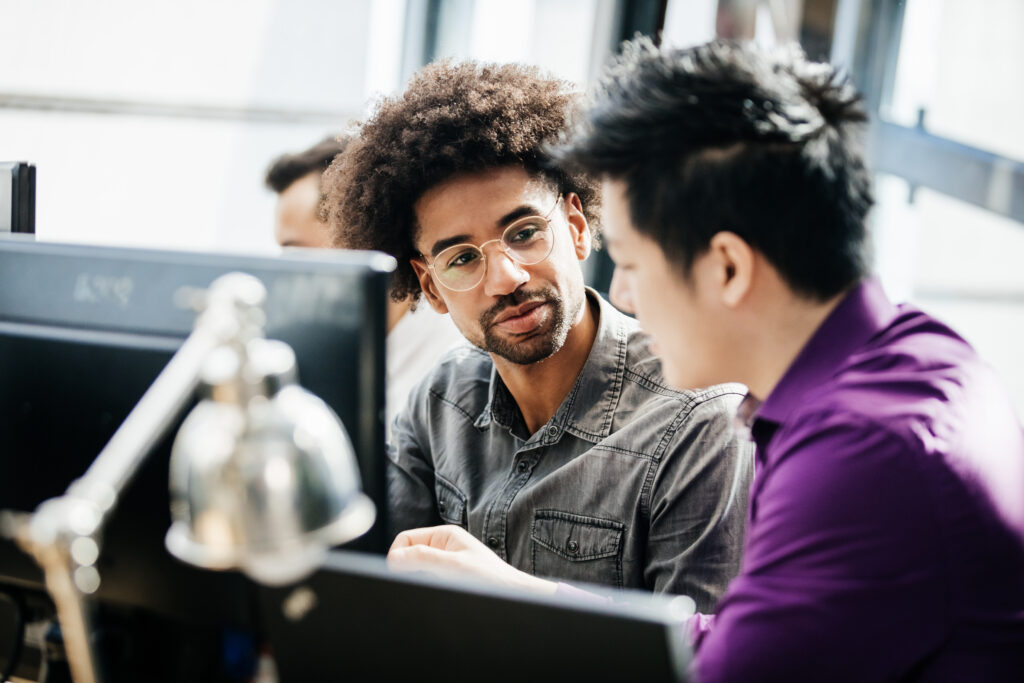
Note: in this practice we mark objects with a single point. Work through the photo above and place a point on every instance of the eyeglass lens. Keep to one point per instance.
(527, 241)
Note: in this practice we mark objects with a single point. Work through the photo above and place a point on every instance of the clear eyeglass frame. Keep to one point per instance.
(506, 247)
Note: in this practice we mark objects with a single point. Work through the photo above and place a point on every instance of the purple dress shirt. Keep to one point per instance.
(886, 519)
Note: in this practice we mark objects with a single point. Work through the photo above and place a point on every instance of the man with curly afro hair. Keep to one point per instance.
(553, 438)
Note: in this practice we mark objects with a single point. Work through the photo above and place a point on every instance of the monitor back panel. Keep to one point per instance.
(354, 621)
(83, 333)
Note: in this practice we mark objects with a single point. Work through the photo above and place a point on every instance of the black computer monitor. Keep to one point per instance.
(353, 620)
(17, 197)
(84, 331)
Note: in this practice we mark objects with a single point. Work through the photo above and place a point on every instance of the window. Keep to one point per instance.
(151, 124)
(949, 227)
(941, 80)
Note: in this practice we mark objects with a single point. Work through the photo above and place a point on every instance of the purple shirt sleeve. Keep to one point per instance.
(700, 626)
(842, 572)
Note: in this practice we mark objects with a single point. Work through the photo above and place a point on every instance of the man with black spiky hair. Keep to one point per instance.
(886, 530)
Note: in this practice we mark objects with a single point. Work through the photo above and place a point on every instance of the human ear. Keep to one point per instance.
(429, 287)
(579, 228)
(732, 261)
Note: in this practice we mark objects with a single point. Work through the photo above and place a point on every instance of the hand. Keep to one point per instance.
(448, 549)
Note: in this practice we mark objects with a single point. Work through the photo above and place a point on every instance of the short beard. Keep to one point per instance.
(537, 348)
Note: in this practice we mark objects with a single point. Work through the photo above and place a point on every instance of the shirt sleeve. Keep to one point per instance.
(841, 578)
(412, 502)
(698, 506)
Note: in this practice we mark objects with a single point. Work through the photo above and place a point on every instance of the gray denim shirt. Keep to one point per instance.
(630, 484)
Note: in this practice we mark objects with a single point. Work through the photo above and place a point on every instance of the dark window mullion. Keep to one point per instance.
(960, 171)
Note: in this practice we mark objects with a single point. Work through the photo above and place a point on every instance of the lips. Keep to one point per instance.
(523, 318)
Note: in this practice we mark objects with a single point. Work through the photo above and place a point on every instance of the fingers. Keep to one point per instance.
(422, 558)
(451, 550)
(423, 536)
(432, 549)
(444, 537)
(405, 539)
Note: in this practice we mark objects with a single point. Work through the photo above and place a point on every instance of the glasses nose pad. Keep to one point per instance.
(517, 265)
(492, 267)
(504, 250)
(509, 254)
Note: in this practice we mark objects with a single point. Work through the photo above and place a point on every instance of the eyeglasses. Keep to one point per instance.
(527, 241)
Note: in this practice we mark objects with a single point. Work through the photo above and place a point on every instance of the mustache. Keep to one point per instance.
(516, 298)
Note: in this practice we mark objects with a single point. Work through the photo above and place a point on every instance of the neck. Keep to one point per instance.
(539, 388)
(779, 342)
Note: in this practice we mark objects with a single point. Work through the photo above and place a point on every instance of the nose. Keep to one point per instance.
(621, 293)
(503, 275)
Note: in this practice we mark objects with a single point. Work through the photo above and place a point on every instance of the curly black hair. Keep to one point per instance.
(453, 118)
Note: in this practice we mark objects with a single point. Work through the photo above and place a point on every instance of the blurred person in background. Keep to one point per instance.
(416, 338)
(295, 178)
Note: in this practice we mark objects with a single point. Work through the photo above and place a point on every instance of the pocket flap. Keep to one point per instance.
(451, 503)
(577, 537)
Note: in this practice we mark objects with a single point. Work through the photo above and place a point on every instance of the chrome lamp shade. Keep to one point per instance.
(263, 476)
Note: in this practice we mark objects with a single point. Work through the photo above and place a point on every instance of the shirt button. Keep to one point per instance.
(441, 505)
(573, 547)
(552, 431)
(492, 541)
(522, 466)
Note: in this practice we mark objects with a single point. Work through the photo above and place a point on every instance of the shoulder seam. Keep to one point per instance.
(446, 401)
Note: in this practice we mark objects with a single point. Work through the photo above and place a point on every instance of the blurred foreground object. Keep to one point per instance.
(263, 474)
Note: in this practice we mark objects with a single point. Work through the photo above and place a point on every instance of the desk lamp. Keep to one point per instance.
(263, 477)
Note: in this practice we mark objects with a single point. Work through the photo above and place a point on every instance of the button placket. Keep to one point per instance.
(496, 519)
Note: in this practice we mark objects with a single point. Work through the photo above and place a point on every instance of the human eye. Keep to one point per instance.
(525, 233)
(618, 256)
(461, 259)
(622, 265)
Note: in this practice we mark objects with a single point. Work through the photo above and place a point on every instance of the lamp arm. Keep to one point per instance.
(120, 459)
(63, 534)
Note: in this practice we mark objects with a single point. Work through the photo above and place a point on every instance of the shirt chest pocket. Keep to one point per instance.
(451, 503)
(577, 548)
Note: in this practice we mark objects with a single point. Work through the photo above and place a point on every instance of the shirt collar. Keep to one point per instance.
(588, 408)
(863, 312)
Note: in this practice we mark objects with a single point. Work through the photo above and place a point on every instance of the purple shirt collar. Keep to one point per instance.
(863, 313)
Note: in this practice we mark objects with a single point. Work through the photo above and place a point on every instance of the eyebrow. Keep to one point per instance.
(517, 213)
(441, 245)
(513, 215)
